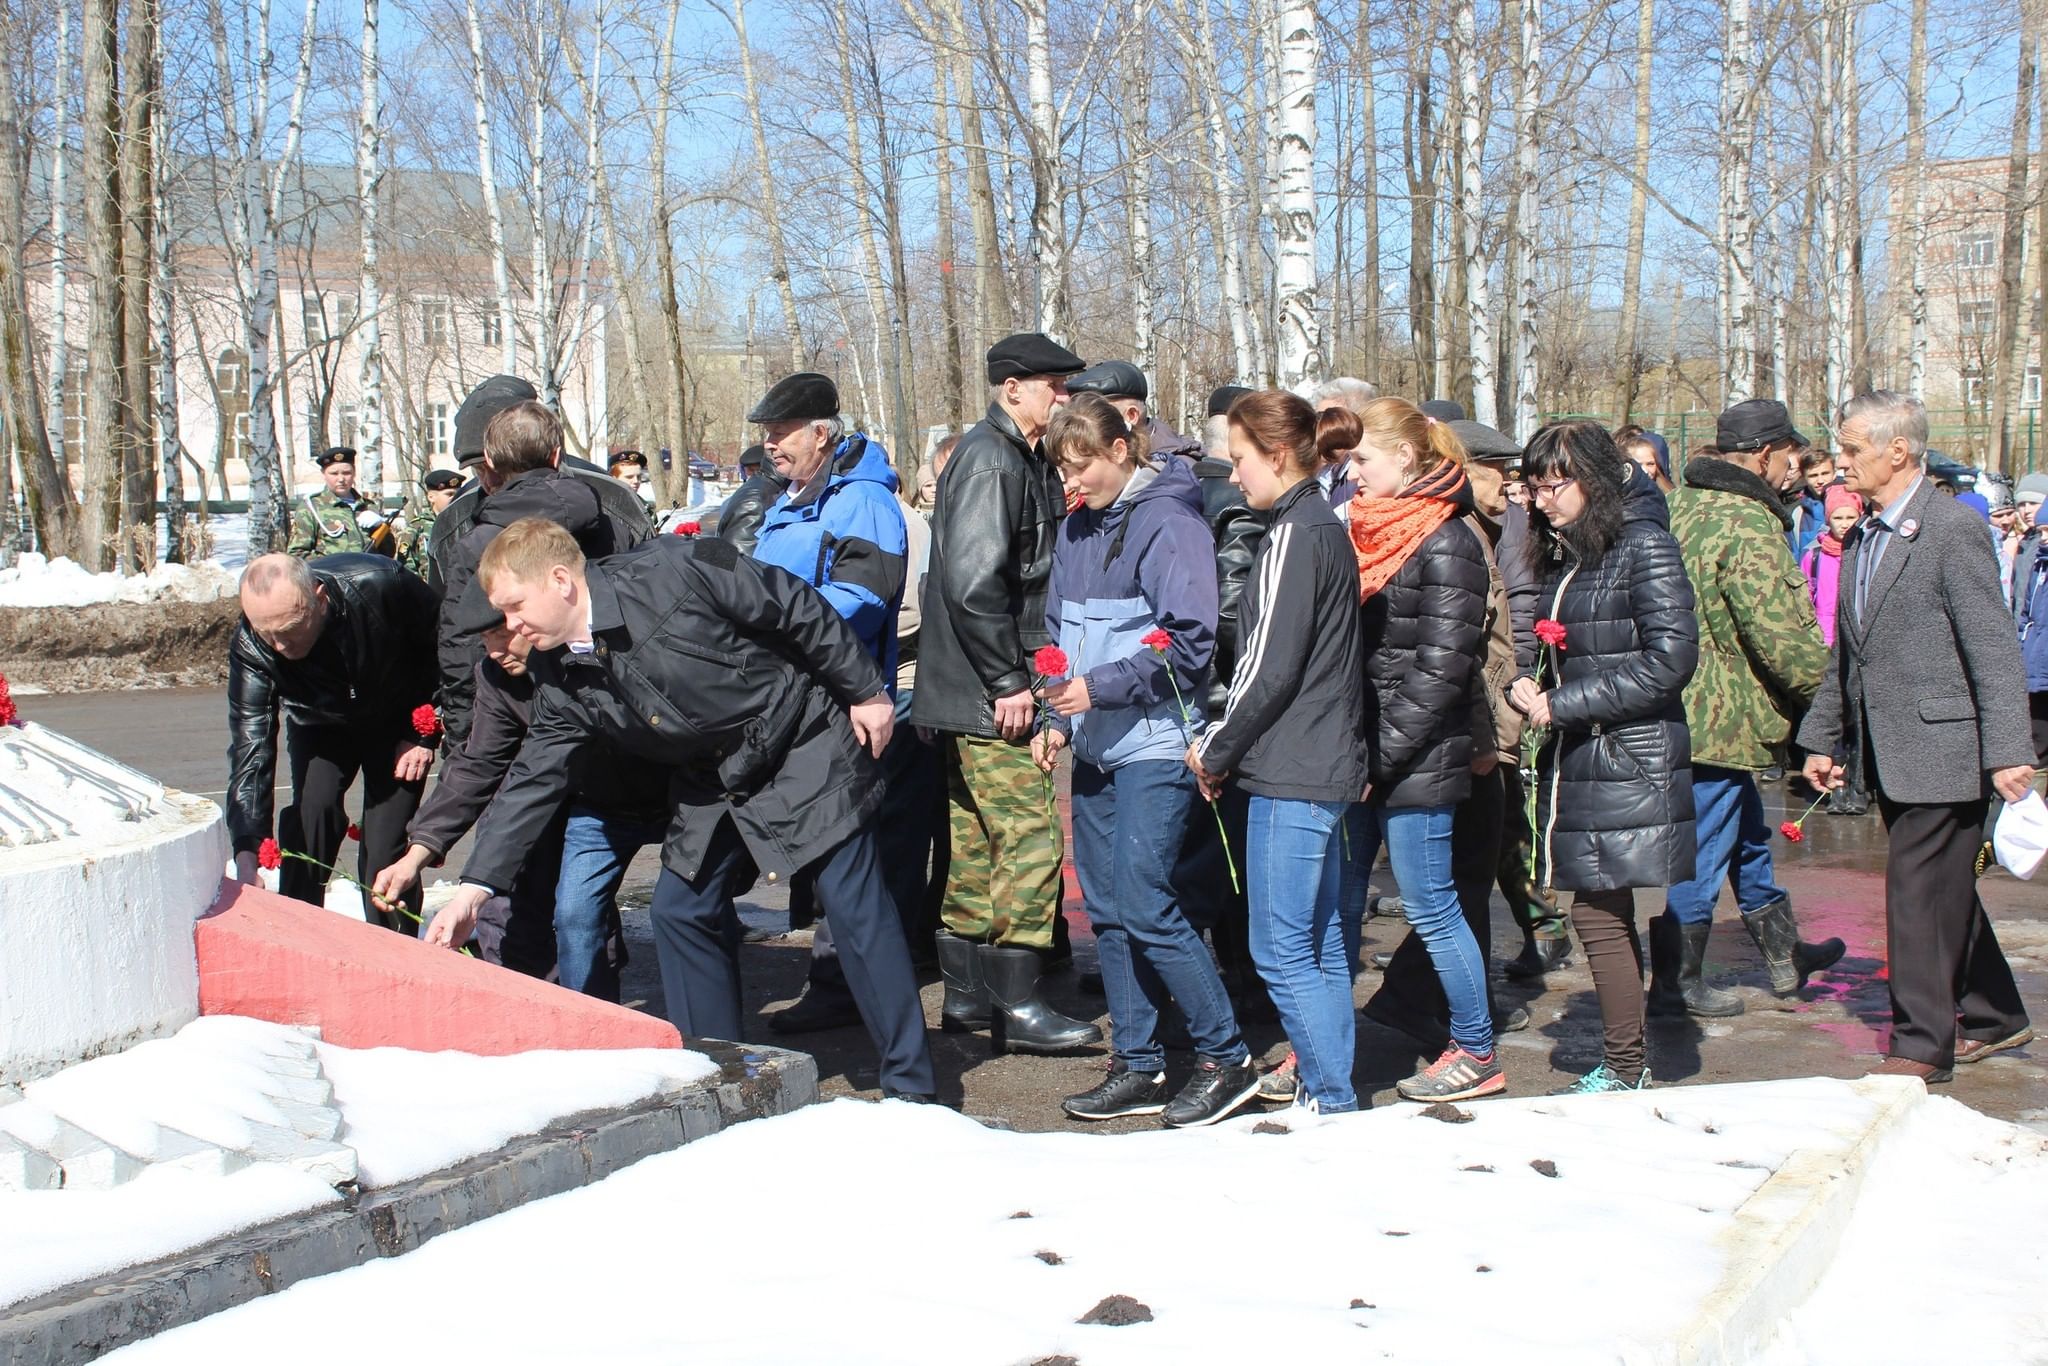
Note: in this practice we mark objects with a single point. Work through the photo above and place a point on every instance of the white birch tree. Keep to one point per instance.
(1738, 122)
(60, 237)
(1471, 210)
(1299, 352)
(487, 188)
(541, 261)
(1528, 84)
(369, 189)
(1916, 212)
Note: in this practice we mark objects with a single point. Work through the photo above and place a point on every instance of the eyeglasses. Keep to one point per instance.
(1537, 490)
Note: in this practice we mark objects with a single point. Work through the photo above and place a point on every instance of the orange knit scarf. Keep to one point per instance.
(1386, 531)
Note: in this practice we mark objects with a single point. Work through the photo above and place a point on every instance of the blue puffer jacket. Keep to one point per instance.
(845, 538)
(2031, 607)
(1143, 563)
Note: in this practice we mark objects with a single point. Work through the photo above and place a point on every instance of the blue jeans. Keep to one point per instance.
(1418, 840)
(1293, 865)
(596, 847)
(1128, 824)
(1733, 839)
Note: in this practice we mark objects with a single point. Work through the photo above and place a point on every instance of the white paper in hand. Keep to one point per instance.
(2021, 836)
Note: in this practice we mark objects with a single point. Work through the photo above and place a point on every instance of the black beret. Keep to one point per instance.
(628, 456)
(754, 457)
(485, 402)
(473, 614)
(1223, 396)
(800, 397)
(1754, 424)
(1443, 410)
(1023, 354)
(336, 455)
(1483, 442)
(442, 479)
(1111, 379)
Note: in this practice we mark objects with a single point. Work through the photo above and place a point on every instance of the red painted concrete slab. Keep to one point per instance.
(267, 956)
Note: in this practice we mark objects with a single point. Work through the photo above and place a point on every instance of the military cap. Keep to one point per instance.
(442, 479)
(1443, 410)
(628, 456)
(798, 398)
(1111, 379)
(336, 455)
(1483, 442)
(1754, 424)
(485, 402)
(1023, 354)
(1221, 397)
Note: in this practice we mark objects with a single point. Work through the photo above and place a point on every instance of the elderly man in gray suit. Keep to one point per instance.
(1926, 680)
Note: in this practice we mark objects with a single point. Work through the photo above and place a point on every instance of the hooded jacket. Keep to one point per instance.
(993, 531)
(1295, 727)
(373, 663)
(1143, 563)
(2031, 611)
(846, 538)
(1761, 656)
(1614, 793)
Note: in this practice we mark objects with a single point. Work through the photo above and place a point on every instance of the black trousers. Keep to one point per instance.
(517, 931)
(324, 762)
(1410, 984)
(1944, 959)
(697, 941)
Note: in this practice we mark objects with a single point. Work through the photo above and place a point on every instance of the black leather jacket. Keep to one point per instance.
(739, 521)
(735, 675)
(993, 532)
(373, 663)
(1239, 529)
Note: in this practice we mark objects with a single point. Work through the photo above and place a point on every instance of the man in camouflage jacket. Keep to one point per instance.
(441, 487)
(1761, 661)
(336, 519)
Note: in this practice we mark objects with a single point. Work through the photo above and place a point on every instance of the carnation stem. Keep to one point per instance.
(1187, 725)
(370, 898)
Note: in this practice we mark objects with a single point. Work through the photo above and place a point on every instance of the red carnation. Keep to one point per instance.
(426, 721)
(1550, 632)
(689, 529)
(355, 832)
(1050, 661)
(1791, 831)
(8, 715)
(1156, 639)
(268, 855)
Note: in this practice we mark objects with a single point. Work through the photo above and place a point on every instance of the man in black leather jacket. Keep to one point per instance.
(741, 679)
(343, 645)
(739, 521)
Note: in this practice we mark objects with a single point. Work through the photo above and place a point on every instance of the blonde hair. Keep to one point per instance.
(1388, 420)
(527, 550)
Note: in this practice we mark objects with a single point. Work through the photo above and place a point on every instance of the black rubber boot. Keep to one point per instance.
(1019, 1019)
(1664, 998)
(1540, 953)
(1701, 999)
(1790, 959)
(966, 1007)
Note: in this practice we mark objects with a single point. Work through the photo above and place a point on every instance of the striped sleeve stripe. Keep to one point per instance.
(1266, 589)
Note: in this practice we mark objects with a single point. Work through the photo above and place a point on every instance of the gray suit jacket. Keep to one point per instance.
(1932, 677)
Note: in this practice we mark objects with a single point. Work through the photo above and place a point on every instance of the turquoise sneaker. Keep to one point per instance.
(1602, 1080)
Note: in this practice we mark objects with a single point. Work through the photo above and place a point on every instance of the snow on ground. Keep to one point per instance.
(34, 581)
(865, 1233)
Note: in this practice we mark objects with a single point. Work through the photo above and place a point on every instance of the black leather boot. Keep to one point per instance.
(1790, 959)
(1699, 998)
(1663, 998)
(1019, 1019)
(966, 1007)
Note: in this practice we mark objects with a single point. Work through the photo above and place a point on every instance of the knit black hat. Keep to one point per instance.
(1111, 379)
(798, 398)
(1023, 354)
(1754, 424)
(485, 402)
(335, 455)
(1221, 397)
(442, 479)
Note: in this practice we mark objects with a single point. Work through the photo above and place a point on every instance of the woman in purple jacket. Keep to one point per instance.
(1135, 562)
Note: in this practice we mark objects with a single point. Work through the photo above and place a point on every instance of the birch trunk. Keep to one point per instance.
(263, 443)
(2010, 358)
(369, 190)
(1419, 164)
(665, 263)
(2030, 447)
(1299, 357)
(578, 327)
(1471, 209)
(1136, 106)
(614, 259)
(1852, 207)
(1629, 362)
(993, 303)
(1738, 119)
(1527, 88)
(60, 244)
(949, 281)
(1916, 213)
(178, 539)
(541, 262)
(871, 258)
(1834, 241)
(487, 187)
(106, 429)
(1048, 191)
(1369, 148)
(1222, 204)
(139, 470)
(771, 216)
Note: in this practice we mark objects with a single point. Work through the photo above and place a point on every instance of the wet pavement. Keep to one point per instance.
(1836, 1028)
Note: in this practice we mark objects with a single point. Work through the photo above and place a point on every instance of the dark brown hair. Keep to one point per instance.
(524, 437)
(1280, 424)
(1584, 452)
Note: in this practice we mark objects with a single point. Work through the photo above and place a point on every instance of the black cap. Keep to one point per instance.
(754, 457)
(437, 480)
(485, 402)
(1443, 410)
(798, 398)
(1754, 424)
(1023, 354)
(1111, 379)
(1483, 442)
(336, 455)
(1221, 397)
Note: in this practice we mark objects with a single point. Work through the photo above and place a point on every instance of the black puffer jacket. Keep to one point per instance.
(1424, 638)
(1614, 798)
(993, 532)
(373, 663)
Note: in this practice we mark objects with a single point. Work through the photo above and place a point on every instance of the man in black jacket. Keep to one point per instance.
(739, 521)
(984, 614)
(343, 645)
(742, 680)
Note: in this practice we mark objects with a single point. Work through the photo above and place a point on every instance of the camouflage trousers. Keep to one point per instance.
(1535, 910)
(1004, 883)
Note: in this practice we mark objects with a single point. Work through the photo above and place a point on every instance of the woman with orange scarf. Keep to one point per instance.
(1423, 583)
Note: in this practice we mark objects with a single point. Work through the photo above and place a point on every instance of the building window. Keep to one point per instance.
(434, 323)
(434, 429)
(2030, 389)
(344, 314)
(314, 318)
(493, 327)
(1978, 249)
(231, 379)
(348, 425)
(74, 405)
(1977, 318)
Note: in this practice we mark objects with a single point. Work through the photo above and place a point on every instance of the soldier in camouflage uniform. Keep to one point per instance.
(1761, 661)
(336, 519)
(441, 487)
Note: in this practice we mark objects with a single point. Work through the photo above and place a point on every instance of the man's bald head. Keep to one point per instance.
(284, 604)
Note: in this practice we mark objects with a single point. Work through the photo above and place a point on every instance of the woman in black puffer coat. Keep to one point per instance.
(1423, 580)
(1614, 788)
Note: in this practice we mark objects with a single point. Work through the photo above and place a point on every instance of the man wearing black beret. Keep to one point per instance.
(441, 486)
(1123, 384)
(993, 530)
(336, 519)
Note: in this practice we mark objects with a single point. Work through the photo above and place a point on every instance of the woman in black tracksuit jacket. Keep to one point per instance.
(1293, 737)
